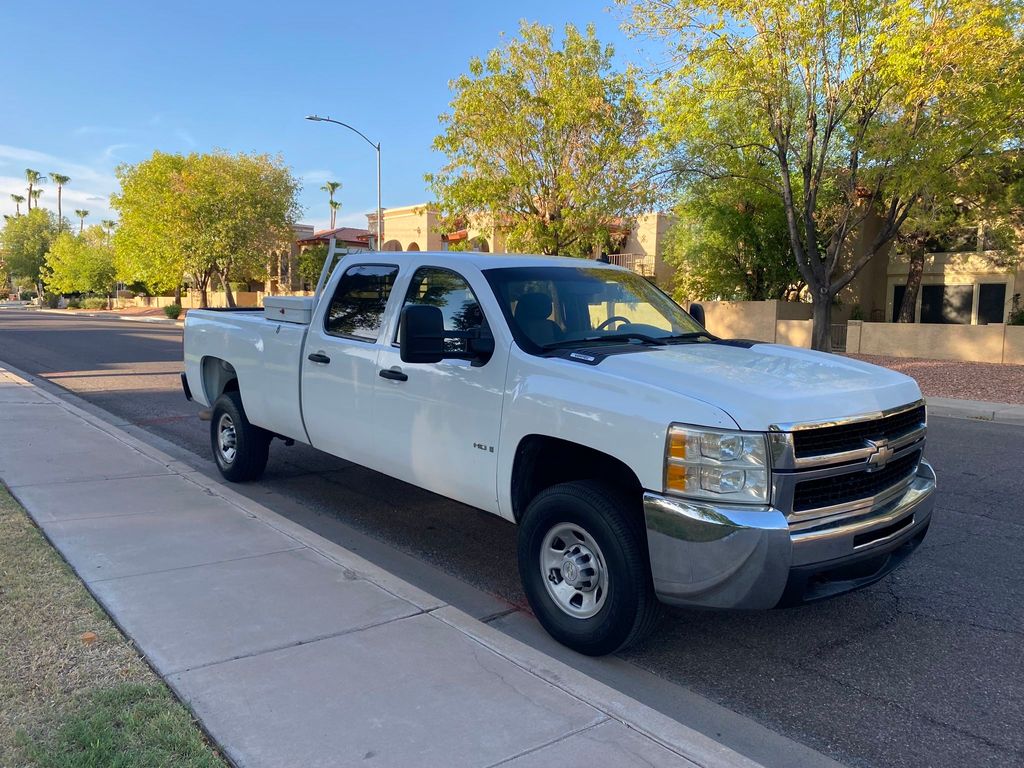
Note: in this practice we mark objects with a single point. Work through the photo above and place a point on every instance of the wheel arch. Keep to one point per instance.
(218, 376)
(542, 461)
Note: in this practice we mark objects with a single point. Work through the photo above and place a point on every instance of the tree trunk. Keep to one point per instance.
(914, 273)
(228, 298)
(60, 216)
(177, 294)
(821, 332)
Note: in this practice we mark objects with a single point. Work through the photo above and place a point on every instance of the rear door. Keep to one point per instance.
(339, 363)
(439, 422)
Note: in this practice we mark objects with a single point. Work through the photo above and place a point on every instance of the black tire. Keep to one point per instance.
(613, 520)
(251, 444)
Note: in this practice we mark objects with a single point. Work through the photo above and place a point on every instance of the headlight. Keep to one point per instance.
(716, 464)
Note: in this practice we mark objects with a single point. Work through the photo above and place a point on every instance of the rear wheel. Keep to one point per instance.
(584, 567)
(240, 449)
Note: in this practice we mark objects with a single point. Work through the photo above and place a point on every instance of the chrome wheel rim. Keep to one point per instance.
(227, 438)
(574, 570)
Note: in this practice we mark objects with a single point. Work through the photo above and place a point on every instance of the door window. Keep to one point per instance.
(449, 292)
(359, 300)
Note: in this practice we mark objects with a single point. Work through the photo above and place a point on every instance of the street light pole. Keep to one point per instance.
(380, 215)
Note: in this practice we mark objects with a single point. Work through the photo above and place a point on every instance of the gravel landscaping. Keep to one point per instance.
(954, 378)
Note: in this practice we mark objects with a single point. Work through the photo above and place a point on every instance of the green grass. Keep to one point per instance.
(68, 700)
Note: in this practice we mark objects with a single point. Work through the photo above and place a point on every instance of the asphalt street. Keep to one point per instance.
(922, 669)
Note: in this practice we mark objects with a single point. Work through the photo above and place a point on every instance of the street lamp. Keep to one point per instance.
(380, 217)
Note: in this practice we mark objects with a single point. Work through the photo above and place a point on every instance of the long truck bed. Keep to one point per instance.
(266, 356)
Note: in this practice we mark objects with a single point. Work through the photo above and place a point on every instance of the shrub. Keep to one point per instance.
(173, 311)
(51, 300)
(94, 302)
(1016, 312)
(74, 303)
(28, 295)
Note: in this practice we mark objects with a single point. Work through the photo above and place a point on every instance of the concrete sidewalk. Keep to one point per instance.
(291, 650)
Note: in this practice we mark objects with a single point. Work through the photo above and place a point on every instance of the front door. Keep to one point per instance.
(339, 365)
(440, 421)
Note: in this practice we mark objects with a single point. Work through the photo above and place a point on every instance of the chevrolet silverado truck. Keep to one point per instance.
(643, 459)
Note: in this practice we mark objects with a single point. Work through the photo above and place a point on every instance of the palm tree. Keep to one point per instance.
(330, 188)
(81, 213)
(33, 178)
(36, 194)
(108, 227)
(60, 180)
(18, 200)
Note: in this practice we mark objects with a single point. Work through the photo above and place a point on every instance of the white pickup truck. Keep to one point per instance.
(642, 458)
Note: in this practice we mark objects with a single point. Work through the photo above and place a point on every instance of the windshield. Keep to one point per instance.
(553, 307)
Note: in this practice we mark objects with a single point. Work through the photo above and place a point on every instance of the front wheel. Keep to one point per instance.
(584, 567)
(239, 448)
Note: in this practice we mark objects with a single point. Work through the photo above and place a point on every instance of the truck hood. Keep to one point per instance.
(767, 384)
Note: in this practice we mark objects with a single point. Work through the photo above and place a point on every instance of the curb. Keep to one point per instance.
(128, 318)
(670, 734)
(980, 410)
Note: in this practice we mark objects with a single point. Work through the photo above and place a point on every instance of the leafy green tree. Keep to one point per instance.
(330, 188)
(545, 142)
(977, 209)
(24, 241)
(82, 263)
(81, 213)
(148, 244)
(60, 180)
(731, 242)
(18, 200)
(33, 178)
(874, 99)
(201, 216)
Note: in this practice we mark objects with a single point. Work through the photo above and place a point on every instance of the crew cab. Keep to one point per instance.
(642, 458)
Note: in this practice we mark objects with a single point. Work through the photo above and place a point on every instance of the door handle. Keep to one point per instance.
(391, 373)
(319, 357)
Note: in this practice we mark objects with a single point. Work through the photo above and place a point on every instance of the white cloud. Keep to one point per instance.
(317, 176)
(94, 130)
(90, 187)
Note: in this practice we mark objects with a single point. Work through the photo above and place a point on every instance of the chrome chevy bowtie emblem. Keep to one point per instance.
(880, 454)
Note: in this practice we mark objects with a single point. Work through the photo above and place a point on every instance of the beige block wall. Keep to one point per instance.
(980, 343)
(794, 333)
(741, 319)
(1013, 345)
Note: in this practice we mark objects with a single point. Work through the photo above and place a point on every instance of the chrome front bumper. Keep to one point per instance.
(746, 557)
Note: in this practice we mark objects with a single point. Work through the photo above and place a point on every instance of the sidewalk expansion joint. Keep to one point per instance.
(545, 745)
(195, 565)
(297, 643)
(49, 483)
(498, 615)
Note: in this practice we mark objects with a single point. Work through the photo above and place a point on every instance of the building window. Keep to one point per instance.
(947, 303)
(991, 303)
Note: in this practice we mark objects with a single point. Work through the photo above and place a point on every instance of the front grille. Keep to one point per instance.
(854, 486)
(821, 441)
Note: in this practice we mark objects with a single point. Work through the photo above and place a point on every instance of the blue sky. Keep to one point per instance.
(91, 85)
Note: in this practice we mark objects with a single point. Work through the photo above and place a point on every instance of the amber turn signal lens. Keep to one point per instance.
(676, 476)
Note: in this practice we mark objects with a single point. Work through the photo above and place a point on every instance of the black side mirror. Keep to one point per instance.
(421, 338)
(697, 313)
